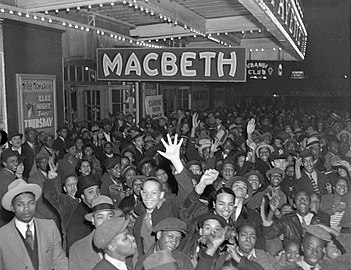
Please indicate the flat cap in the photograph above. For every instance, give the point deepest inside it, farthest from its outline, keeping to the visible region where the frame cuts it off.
(278, 154)
(108, 230)
(273, 171)
(170, 224)
(112, 162)
(306, 153)
(318, 231)
(255, 172)
(145, 160)
(131, 180)
(68, 144)
(8, 153)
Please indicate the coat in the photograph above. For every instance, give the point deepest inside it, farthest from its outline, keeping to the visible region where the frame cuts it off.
(29, 155)
(13, 254)
(304, 183)
(6, 178)
(106, 265)
(83, 254)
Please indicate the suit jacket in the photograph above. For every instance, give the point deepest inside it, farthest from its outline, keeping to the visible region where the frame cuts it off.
(83, 254)
(29, 155)
(304, 183)
(59, 146)
(106, 265)
(13, 253)
(6, 177)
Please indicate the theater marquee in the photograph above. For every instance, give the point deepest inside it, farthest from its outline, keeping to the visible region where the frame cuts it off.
(172, 64)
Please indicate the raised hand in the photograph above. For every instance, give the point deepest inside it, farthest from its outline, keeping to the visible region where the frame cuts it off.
(251, 126)
(215, 146)
(52, 166)
(172, 152)
(195, 121)
(209, 177)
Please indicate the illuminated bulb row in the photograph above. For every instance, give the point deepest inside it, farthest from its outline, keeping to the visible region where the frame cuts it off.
(265, 49)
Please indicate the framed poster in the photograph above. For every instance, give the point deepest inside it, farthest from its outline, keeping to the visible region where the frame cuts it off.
(36, 97)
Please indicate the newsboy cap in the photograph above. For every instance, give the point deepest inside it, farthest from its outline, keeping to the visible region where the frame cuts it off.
(170, 224)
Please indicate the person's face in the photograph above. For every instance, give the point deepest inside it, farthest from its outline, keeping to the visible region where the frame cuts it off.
(341, 187)
(308, 164)
(148, 145)
(210, 227)
(292, 253)
(107, 128)
(240, 189)
(88, 151)
(247, 239)
(313, 250)
(280, 164)
(195, 169)
(129, 155)
(70, 186)
(206, 152)
(286, 209)
(344, 138)
(162, 176)
(124, 162)
(116, 171)
(278, 143)
(72, 151)
(169, 240)
(139, 141)
(11, 163)
(31, 136)
(288, 129)
(23, 205)
(316, 150)
(90, 193)
(334, 148)
(63, 133)
(264, 153)
(224, 205)
(108, 148)
(227, 146)
(102, 216)
(16, 141)
(137, 186)
(241, 161)
(85, 168)
(227, 171)
(290, 171)
(291, 147)
(254, 181)
(332, 251)
(276, 179)
(302, 203)
(146, 169)
(48, 141)
(315, 203)
(151, 194)
(79, 144)
(185, 128)
(342, 172)
(43, 164)
(124, 244)
(129, 174)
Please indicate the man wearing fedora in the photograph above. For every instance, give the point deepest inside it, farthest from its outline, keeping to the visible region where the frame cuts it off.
(83, 253)
(8, 174)
(117, 244)
(27, 242)
(78, 227)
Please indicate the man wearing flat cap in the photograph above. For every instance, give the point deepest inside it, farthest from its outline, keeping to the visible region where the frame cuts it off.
(112, 177)
(169, 233)
(117, 244)
(83, 254)
(27, 242)
(78, 227)
(275, 177)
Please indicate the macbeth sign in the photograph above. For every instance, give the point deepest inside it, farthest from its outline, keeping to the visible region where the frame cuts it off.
(172, 64)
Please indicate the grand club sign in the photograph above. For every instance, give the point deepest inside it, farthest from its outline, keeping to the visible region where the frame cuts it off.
(172, 64)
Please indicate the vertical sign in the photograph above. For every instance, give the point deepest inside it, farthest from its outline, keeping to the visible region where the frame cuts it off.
(154, 106)
(36, 96)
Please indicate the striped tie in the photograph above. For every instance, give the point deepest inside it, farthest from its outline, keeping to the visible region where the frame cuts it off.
(314, 185)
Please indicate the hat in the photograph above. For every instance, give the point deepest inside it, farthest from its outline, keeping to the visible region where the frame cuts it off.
(170, 224)
(334, 161)
(84, 130)
(28, 129)
(102, 203)
(263, 145)
(68, 144)
(290, 141)
(343, 132)
(108, 230)
(192, 162)
(111, 162)
(145, 160)
(235, 179)
(19, 186)
(14, 134)
(160, 260)
(3, 136)
(127, 168)
(105, 122)
(318, 231)
(211, 121)
(47, 134)
(233, 126)
(273, 171)
(311, 142)
(131, 180)
(148, 138)
(8, 153)
(210, 215)
(137, 134)
(306, 153)
(227, 160)
(278, 154)
(255, 172)
(42, 154)
(94, 128)
(86, 182)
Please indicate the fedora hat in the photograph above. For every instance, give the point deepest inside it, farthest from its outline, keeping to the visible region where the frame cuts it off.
(131, 180)
(17, 187)
(263, 145)
(102, 203)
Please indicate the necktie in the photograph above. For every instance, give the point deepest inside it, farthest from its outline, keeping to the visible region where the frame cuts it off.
(314, 185)
(148, 221)
(303, 223)
(29, 237)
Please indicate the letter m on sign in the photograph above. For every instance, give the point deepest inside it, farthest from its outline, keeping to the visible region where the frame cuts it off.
(111, 66)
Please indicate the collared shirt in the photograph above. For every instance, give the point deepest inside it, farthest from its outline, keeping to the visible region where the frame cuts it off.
(116, 263)
(313, 176)
(31, 145)
(19, 150)
(251, 255)
(22, 227)
(238, 207)
(307, 218)
(305, 266)
(107, 137)
(44, 173)
(62, 138)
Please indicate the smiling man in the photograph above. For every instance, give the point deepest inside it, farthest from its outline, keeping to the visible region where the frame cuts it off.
(169, 233)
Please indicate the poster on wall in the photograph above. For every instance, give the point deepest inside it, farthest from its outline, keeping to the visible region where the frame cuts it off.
(154, 106)
(36, 97)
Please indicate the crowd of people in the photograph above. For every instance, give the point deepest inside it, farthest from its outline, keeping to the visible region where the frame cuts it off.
(241, 187)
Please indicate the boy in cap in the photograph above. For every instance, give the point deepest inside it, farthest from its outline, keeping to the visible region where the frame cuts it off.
(113, 238)
(68, 163)
(275, 176)
(27, 242)
(83, 254)
(169, 233)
